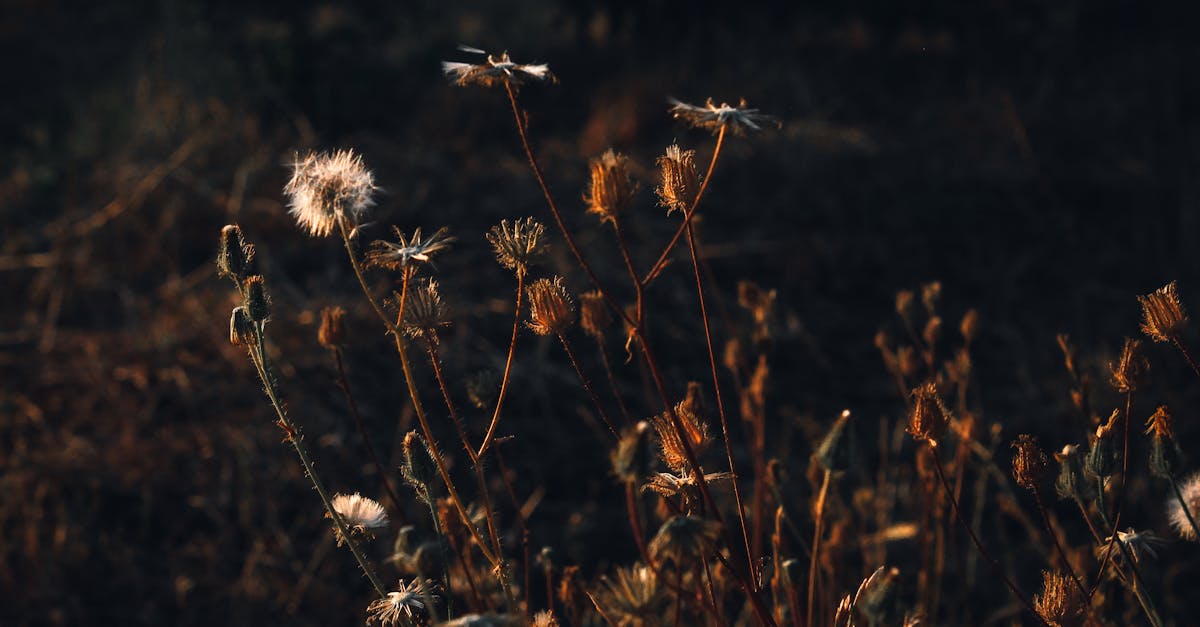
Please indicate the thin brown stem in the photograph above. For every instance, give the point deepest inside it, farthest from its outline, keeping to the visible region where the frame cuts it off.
(522, 524)
(1037, 496)
(512, 345)
(1186, 355)
(587, 385)
(819, 511)
(633, 274)
(612, 381)
(635, 522)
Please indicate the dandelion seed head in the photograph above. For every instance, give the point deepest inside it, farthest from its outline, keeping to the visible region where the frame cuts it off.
(406, 601)
(359, 513)
(1189, 489)
(495, 70)
(713, 117)
(328, 187)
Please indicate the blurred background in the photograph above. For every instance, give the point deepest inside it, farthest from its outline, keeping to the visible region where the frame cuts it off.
(1039, 159)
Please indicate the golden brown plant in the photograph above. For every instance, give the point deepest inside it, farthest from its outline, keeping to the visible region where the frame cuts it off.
(1163, 316)
(679, 181)
(611, 191)
(928, 419)
(517, 244)
(1129, 371)
(550, 308)
(332, 332)
(1061, 603)
(1029, 464)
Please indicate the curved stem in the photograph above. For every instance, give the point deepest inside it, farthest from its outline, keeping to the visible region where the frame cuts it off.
(816, 547)
(633, 275)
(1037, 496)
(588, 386)
(512, 346)
(612, 381)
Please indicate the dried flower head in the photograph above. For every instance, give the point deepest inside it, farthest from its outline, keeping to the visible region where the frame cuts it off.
(1129, 371)
(929, 417)
(611, 191)
(495, 70)
(418, 468)
(550, 308)
(692, 414)
(593, 314)
(1163, 317)
(1029, 464)
(403, 254)
(424, 310)
(630, 457)
(359, 513)
(517, 244)
(1142, 545)
(1101, 458)
(685, 485)
(1071, 483)
(737, 119)
(684, 539)
(332, 332)
(680, 183)
(544, 618)
(241, 328)
(1184, 521)
(1061, 603)
(406, 601)
(258, 303)
(1159, 423)
(326, 188)
(235, 257)
(632, 596)
(1166, 458)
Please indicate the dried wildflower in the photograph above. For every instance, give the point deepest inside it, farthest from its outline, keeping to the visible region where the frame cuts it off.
(258, 304)
(495, 70)
(1071, 483)
(418, 468)
(632, 597)
(424, 310)
(401, 255)
(876, 596)
(1163, 316)
(712, 117)
(359, 513)
(1101, 458)
(684, 539)
(518, 243)
(1165, 456)
(1061, 603)
(1142, 545)
(1129, 371)
(680, 183)
(630, 457)
(544, 618)
(667, 484)
(929, 417)
(328, 188)
(241, 328)
(691, 414)
(611, 190)
(1029, 464)
(407, 601)
(332, 333)
(836, 452)
(235, 257)
(1181, 520)
(550, 308)
(593, 314)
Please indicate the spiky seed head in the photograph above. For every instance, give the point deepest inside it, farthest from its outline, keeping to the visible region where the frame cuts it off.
(550, 308)
(969, 327)
(836, 452)
(495, 70)
(593, 314)
(518, 243)
(401, 606)
(611, 191)
(692, 415)
(405, 253)
(679, 182)
(632, 596)
(1130, 370)
(1071, 483)
(1163, 316)
(1061, 603)
(326, 188)
(235, 257)
(685, 539)
(1189, 489)
(359, 513)
(712, 117)
(258, 303)
(1166, 458)
(418, 468)
(630, 458)
(1101, 459)
(332, 332)
(424, 311)
(929, 417)
(241, 328)
(1029, 464)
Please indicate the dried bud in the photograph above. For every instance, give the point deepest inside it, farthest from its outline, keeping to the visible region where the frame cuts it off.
(418, 468)
(424, 311)
(332, 333)
(1061, 603)
(691, 414)
(680, 183)
(969, 327)
(611, 190)
(1166, 458)
(837, 451)
(241, 328)
(550, 308)
(1163, 317)
(1071, 483)
(593, 314)
(684, 540)
(929, 417)
(517, 244)
(258, 304)
(235, 256)
(1102, 457)
(630, 459)
(1029, 464)
(1129, 372)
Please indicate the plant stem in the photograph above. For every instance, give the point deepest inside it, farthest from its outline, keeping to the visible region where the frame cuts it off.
(1186, 355)
(816, 547)
(588, 386)
(1037, 496)
(512, 345)
(612, 381)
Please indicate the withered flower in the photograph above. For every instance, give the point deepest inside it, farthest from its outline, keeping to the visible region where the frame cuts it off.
(1166, 458)
(680, 183)
(737, 119)
(611, 191)
(1061, 603)
(1163, 316)
(406, 251)
(550, 308)
(691, 414)
(235, 257)
(1029, 464)
(424, 310)
(929, 417)
(495, 70)
(517, 244)
(1129, 371)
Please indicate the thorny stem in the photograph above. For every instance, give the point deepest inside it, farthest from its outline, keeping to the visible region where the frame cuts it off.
(293, 436)
(512, 345)
(1183, 504)
(744, 581)
(587, 385)
(712, 363)
(687, 218)
(937, 465)
(344, 383)
(816, 548)
(522, 523)
(1037, 496)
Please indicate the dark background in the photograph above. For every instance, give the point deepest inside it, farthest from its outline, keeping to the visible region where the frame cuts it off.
(1039, 159)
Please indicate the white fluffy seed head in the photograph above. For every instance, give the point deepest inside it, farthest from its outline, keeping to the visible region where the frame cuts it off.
(328, 187)
(359, 512)
(1190, 490)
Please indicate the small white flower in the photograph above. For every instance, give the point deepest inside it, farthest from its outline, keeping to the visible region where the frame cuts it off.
(1189, 489)
(326, 188)
(494, 70)
(713, 117)
(359, 513)
(406, 600)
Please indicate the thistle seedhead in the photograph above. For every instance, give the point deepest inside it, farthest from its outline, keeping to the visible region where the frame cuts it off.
(737, 119)
(241, 328)
(1163, 316)
(418, 468)
(517, 244)
(406, 252)
(258, 303)
(495, 70)
(401, 606)
(326, 188)
(359, 513)
(1101, 458)
(1166, 458)
(424, 311)
(235, 257)
(611, 191)
(1061, 603)
(550, 308)
(684, 539)
(1181, 521)
(680, 182)
(1029, 464)
(332, 332)
(593, 314)
(929, 417)
(692, 415)
(1130, 370)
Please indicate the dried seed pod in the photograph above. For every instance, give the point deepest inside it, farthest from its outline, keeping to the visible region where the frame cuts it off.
(517, 244)
(1166, 458)
(929, 417)
(332, 332)
(1029, 464)
(612, 190)
(235, 257)
(241, 328)
(1163, 316)
(1101, 459)
(1061, 603)
(258, 304)
(550, 308)
(680, 183)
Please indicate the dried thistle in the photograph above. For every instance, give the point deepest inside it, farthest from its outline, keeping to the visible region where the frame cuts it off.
(692, 414)
(235, 257)
(684, 539)
(632, 596)
(737, 119)
(359, 513)
(403, 254)
(550, 308)
(495, 70)
(424, 311)
(1165, 456)
(400, 606)
(611, 190)
(1061, 603)
(1129, 371)
(593, 314)
(258, 303)
(326, 188)
(517, 244)
(669, 485)
(1101, 459)
(929, 417)
(418, 468)
(1163, 316)
(680, 183)
(1029, 464)
(241, 328)
(332, 332)
(1142, 545)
